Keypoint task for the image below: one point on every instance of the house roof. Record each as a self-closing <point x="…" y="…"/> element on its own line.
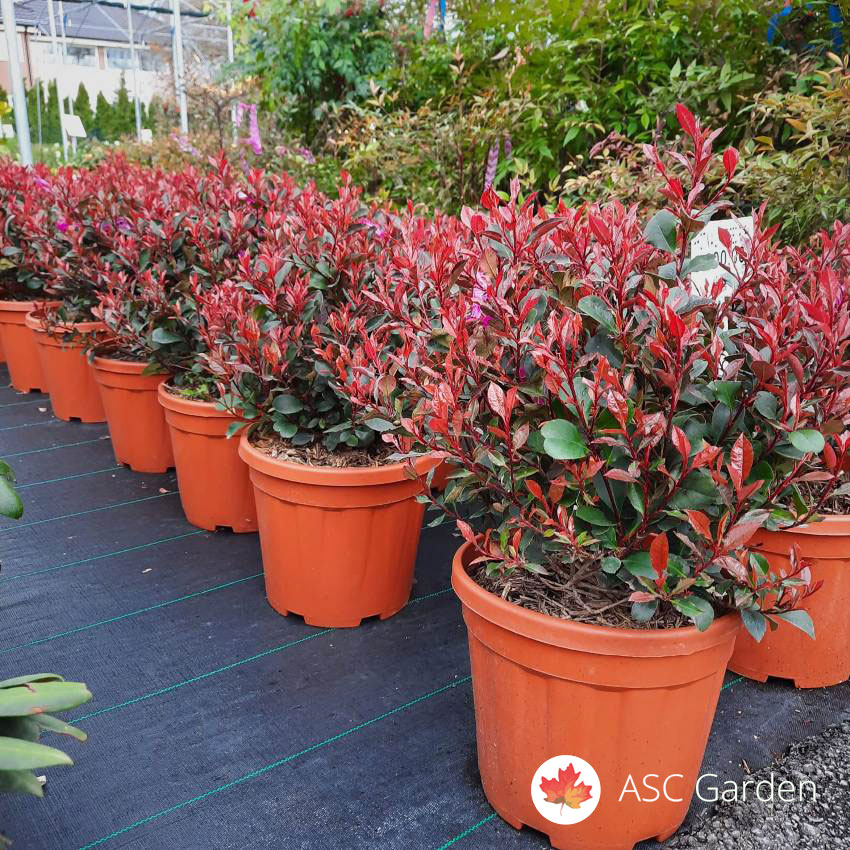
<point x="90" y="20"/>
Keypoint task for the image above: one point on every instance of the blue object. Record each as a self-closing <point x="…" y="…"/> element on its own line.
<point x="833" y="13"/>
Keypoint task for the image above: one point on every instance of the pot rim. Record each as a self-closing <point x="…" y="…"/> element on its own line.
<point x="329" y="476"/>
<point x="192" y="407"/>
<point x="34" y="324"/>
<point x="24" y="306"/>
<point x="123" y="367"/>
<point x="586" y="637"/>
<point x="837" y="525"/>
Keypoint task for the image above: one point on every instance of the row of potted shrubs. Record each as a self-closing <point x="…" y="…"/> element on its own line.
<point x="636" y="465"/>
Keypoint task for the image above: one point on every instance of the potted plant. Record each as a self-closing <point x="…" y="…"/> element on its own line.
<point x="338" y="521"/>
<point x="215" y="489"/>
<point x="798" y="322"/>
<point x="21" y="287"/>
<point x="576" y="380"/>
<point x="71" y="231"/>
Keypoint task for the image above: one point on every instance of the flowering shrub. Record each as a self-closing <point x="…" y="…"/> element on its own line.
<point x="262" y="328"/>
<point x="599" y="410"/>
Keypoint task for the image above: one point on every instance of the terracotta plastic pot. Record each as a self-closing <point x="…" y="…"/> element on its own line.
<point x="215" y="488"/>
<point x="787" y="652"/>
<point x="630" y="702"/>
<point x="74" y="393"/>
<point x="19" y="346"/>
<point x="136" y="421"/>
<point x="338" y="544"/>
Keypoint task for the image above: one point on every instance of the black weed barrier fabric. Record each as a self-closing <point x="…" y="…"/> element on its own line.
<point x="217" y="723"/>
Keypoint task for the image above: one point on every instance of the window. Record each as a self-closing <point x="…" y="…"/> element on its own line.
<point x="121" y="57"/>
<point x="77" y="55"/>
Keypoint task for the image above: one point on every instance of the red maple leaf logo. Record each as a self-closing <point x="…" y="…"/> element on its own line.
<point x="566" y="790"/>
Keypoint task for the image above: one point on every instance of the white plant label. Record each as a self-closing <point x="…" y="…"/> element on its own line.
<point x="73" y="126"/>
<point x="707" y="241"/>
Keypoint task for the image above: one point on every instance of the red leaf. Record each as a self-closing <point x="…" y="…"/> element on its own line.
<point x="732" y="566"/>
<point x="700" y="523"/>
<point x="682" y="444"/>
<point x="466" y="531"/>
<point x="740" y="461"/>
<point x="740" y="534"/>
<point x="730" y="161"/>
<point x="659" y="555"/>
<point x="686" y="119"/>
<point x="641" y="596"/>
<point x="496" y="399"/>
<point x="620" y="475"/>
<point x="534" y="489"/>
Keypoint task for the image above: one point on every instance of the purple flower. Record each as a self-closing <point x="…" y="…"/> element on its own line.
<point x="479" y="298"/>
<point x="62" y="225"/>
<point x="122" y="224"/>
<point x="492" y="164"/>
<point x="509" y="146"/>
<point x="307" y="154"/>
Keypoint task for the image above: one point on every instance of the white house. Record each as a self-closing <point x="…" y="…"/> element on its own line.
<point x="97" y="52"/>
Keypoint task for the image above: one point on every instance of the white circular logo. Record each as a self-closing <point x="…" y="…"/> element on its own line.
<point x="565" y="790"/>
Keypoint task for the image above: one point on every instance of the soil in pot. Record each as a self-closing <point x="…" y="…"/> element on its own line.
<point x="19" y="346"/>
<point x="136" y="420"/>
<point x="339" y="544"/>
<point x="215" y="487"/>
<point x="74" y="393"/>
<point x="629" y="702"/>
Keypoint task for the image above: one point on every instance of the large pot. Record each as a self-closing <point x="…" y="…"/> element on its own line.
<point x="215" y="489"/>
<point x="74" y="393"/>
<point x="630" y="702"/>
<point x="136" y="420"/>
<point x="338" y="544"/>
<point x="19" y="346"/>
<point x="787" y="652"/>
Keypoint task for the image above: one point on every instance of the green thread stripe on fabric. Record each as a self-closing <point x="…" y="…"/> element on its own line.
<point x="460" y="836"/>
<point x="103" y="439"/>
<point x="106" y="622"/>
<point x="67" y="477"/>
<point x="43" y="401"/>
<point x="20" y="525"/>
<point x="452" y="841"/>
<point x="93" y="558"/>
<point x="28" y="424"/>
<point x="254" y="774"/>
<point x="242" y="661"/>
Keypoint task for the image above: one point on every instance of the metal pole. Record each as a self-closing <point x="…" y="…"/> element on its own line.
<point x="55" y="46"/>
<point x="22" y="124"/>
<point x="135" y="63"/>
<point x="64" y="62"/>
<point x="38" y="108"/>
<point x="179" y="70"/>
<point x="228" y="9"/>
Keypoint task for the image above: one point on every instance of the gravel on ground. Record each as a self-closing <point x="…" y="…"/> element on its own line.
<point x="818" y="821"/>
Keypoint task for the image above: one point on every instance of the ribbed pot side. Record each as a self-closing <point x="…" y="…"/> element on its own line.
<point x="338" y="545"/>
<point x="631" y="702"/>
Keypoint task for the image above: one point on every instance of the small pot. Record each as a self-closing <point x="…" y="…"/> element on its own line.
<point x="787" y="652"/>
<point x="136" y="421"/>
<point x="74" y="393"/>
<point x="19" y="346"/>
<point x="215" y="488"/>
<point x="630" y="702"/>
<point x="338" y="544"/>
